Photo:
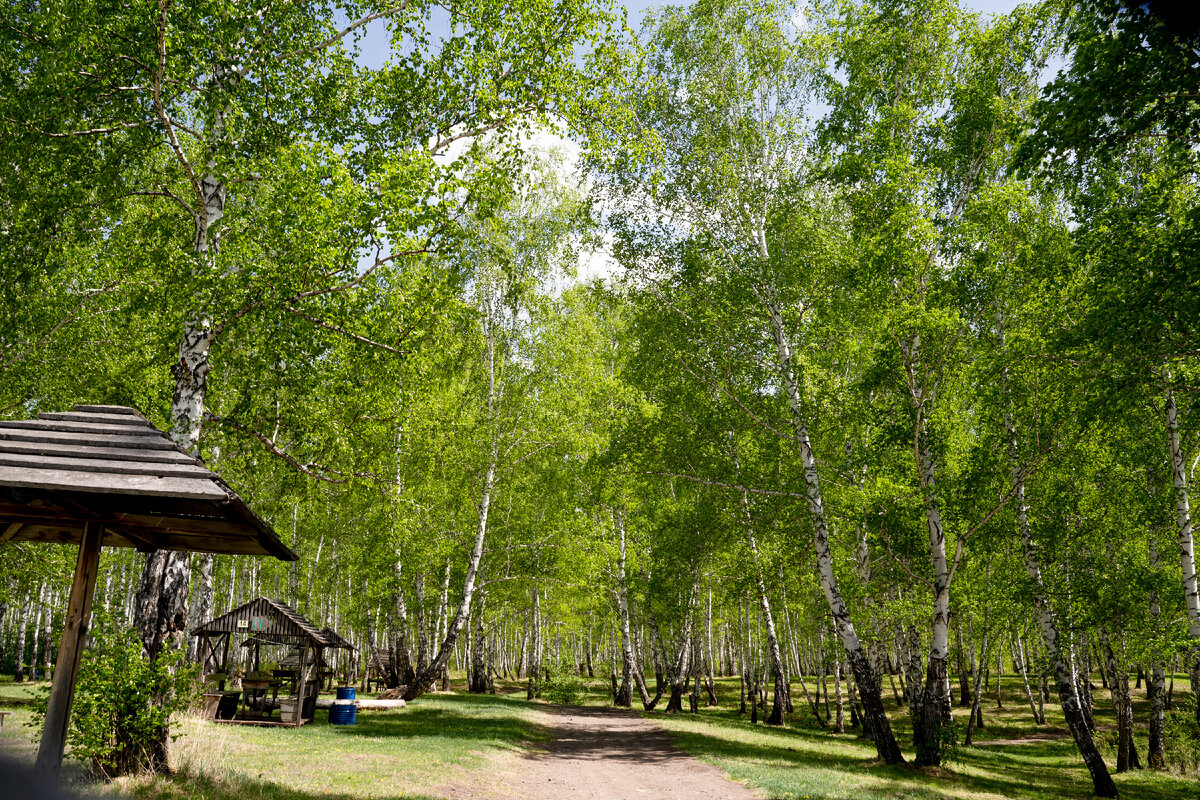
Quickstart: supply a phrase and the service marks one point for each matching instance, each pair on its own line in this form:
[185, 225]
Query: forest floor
[470, 747]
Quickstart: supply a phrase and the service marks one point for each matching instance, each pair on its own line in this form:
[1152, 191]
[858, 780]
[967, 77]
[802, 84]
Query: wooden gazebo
[266, 621]
[103, 475]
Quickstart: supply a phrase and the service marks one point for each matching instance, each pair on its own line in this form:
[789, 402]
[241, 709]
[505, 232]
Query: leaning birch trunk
[630, 670]
[976, 698]
[1020, 646]
[400, 670]
[874, 716]
[764, 602]
[1102, 782]
[1187, 553]
[423, 682]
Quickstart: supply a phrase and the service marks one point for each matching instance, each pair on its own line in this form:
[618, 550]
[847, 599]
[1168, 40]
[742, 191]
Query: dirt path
[601, 754]
[1037, 737]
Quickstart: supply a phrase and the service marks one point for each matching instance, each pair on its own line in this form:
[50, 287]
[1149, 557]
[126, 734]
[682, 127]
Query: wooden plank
[207, 544]
[17, 434]
[66, 669]
[68, 450]
[153, 468]
[81, 427]
[140, 540]
[91, 505]
[124, 410]
[218, 527]
[160, 536]
[10, 530]
[50, 534]
[93, 417]
[66, 480]
[143, 540]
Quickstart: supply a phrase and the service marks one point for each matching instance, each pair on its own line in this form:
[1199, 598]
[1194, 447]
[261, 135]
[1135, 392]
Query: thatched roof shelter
[103, 475]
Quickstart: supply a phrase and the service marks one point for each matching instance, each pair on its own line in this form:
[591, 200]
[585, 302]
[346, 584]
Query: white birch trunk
[631, 670]
[1068, 696]
[1187, 553]
[877, 721]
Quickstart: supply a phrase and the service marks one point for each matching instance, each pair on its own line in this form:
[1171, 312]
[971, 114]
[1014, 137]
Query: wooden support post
[79, 615]
[303, 690]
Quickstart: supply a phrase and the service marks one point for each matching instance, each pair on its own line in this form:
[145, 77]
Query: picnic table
[255, 702]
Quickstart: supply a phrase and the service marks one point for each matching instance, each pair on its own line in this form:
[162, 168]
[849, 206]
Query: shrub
[563, 684]
[123, 703]
[1181, 738]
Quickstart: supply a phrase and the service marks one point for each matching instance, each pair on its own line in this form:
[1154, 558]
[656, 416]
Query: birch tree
[714, 150]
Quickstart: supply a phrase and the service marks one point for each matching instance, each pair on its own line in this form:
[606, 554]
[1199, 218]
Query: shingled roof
[108, 463]
[270, 621]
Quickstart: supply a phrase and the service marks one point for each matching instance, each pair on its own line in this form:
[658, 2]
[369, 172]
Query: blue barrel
[345, 693]
[343, 712]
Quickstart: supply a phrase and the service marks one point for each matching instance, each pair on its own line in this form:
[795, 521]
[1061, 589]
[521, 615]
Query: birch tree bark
[1065, 681]
[1187, 551]
[1118, 680]
[534, 686]
[874, 715]
[1156, 686]
[423, 681]
[630, 669]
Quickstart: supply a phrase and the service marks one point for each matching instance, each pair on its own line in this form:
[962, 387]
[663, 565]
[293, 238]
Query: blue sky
[374, 44]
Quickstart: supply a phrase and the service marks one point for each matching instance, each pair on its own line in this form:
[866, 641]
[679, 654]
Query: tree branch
[345, 332]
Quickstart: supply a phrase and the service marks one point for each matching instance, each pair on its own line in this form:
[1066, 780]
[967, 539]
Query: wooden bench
[3, 714]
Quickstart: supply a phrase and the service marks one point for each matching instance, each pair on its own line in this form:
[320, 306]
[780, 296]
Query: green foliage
[1181, 737]
[122, 701]
[564, 686]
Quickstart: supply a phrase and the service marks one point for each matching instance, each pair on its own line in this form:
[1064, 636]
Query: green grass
[444, 739]
[20, 694]
[402, 753]
[806, 761]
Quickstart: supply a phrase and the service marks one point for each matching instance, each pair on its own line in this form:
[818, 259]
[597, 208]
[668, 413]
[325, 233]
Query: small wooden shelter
[379, 668]
[268, 622]
[103, 475]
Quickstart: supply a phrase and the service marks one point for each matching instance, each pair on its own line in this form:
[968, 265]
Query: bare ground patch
[600, 754]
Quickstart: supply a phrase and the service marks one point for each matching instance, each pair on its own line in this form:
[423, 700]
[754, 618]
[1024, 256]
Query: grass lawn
[806, 761]
[401, 753]
[441, 739]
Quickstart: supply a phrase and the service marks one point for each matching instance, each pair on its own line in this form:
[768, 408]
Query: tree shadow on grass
[207, 787]
[802, 749]
[482, 718]
[1042, 770]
